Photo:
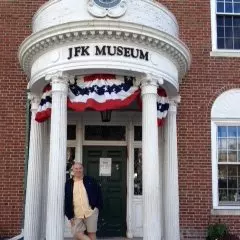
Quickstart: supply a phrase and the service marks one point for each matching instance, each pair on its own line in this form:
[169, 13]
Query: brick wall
[15, 25]
[207, 78]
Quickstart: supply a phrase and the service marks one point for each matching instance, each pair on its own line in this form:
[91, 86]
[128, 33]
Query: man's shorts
[83, 224]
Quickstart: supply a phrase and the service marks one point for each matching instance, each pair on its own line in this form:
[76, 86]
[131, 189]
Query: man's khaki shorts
[83, 224]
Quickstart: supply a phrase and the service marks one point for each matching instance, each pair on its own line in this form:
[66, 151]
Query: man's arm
[68, 205]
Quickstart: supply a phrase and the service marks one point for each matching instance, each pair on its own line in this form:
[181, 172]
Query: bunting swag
[101, 92]
[162, 106]
[44, 109]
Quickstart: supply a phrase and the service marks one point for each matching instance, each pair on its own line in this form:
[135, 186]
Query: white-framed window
[225, 18]
[225, 131]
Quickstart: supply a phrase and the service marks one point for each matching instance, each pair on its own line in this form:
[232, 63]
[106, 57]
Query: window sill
[233, 212]
[225, 53]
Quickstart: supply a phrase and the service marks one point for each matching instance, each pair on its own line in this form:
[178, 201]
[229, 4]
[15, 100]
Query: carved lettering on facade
[108, 50]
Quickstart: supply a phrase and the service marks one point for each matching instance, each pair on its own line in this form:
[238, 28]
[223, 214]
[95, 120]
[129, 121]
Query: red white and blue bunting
[101, 92]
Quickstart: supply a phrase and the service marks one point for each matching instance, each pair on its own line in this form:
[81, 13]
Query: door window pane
[137, 133]
[137, 171]
[71, 132]
[70, 160]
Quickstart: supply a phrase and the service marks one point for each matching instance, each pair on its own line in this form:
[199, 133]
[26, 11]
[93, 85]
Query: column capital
[150, 79]
[149, 84]
[173, 103]
[57, 76]
[59, 81]
[35, 101]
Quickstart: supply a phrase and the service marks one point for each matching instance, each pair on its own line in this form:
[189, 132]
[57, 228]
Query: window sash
[228, 187]
[227, 45]
[227, 7]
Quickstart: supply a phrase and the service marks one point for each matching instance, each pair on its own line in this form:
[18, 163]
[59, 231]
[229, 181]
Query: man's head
[77, 170]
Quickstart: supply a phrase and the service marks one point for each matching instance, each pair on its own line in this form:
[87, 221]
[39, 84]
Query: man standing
[83, 199]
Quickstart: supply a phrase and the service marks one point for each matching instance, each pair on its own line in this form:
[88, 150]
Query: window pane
[239, 184]
[220, 43]
[232, 195]
[105, 133]
[228, 32]
[137, 171]
[232, 171]
[222, 182]
[232, 143]
[223, 195]
[229, 43]
[137, 133]
[232, 131]
[222, 156]
[70, 160]
[222, 171]
[228, 20]
[220, 21]
[222, 143]
[220, 7]
[236, 32]
[232, 182]
[237, 7]
[220, 31]
[71, 132]
[232, 156]
[238, 156]
[236, 21]
[228, 7]
[222, 131]
[237, 43]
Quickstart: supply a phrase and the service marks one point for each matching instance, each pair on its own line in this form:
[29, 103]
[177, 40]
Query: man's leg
[78, 229]
[91, 224]
[92, 236]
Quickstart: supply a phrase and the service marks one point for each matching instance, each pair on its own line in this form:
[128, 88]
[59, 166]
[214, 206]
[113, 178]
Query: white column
[161, 157]
[57, 164]
[45, 166]
[151, 180]
[34, 178]
[170, 169]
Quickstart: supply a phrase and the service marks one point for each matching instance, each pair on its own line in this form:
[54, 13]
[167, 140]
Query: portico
[73, 40]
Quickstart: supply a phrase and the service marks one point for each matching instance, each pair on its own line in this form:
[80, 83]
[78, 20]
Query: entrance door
[112, 218]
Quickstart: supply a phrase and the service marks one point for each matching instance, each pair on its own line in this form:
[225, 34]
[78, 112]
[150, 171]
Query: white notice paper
[105, 167]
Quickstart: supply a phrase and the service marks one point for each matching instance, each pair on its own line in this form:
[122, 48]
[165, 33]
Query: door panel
[112, 219]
